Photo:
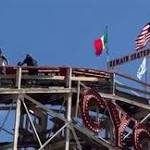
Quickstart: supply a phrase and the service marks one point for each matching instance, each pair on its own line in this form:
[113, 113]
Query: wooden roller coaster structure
[72, 109]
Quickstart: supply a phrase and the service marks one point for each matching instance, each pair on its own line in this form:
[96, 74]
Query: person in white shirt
[3, 62]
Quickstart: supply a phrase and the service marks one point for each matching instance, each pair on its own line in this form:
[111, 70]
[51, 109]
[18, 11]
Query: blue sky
[61, 32]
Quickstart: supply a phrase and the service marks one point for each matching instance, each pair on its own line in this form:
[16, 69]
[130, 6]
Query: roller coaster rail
[65, 107]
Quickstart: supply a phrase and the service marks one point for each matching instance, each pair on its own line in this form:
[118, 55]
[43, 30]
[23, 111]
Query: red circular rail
[91, 97]
[141, 132]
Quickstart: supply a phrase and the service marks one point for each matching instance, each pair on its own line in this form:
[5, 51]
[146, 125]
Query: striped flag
[143, 37]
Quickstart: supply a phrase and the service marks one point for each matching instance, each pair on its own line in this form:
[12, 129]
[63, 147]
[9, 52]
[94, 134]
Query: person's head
[28, 55]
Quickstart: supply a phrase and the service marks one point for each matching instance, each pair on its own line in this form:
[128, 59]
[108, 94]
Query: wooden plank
[131, 88]
[90, 74]
[118, 98]
[35, 90]
[80, 78]
[43, 77]
[132, 79]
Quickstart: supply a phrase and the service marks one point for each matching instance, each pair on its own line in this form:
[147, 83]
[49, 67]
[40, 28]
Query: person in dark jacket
[29, 61]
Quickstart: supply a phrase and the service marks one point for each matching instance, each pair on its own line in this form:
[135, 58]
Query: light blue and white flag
[142, 69]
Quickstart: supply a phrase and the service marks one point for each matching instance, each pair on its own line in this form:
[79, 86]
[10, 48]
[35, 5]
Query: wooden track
[49, 86]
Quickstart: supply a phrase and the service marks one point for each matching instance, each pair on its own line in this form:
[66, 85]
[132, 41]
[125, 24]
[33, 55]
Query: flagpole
[107, 49]
[146, 80]
[146, 76]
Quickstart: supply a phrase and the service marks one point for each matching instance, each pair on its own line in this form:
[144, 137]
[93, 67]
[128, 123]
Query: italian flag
[100, 44]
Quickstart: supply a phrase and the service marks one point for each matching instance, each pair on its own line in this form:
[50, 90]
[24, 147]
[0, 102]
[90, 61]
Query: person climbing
[29, 61]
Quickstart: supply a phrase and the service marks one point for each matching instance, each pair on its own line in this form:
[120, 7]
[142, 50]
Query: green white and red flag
[100, 44]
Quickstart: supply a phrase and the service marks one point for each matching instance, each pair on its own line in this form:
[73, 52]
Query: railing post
[18, 77]
[78, 99]
[68, 107]
[114, 84]
[17, 122]
[18, 110]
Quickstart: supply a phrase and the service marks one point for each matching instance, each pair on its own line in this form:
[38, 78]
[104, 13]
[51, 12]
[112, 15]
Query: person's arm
[19, 63]
[22, 63]
[5, 59]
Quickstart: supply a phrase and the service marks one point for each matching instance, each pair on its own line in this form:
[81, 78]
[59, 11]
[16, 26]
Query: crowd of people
[28, 61]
